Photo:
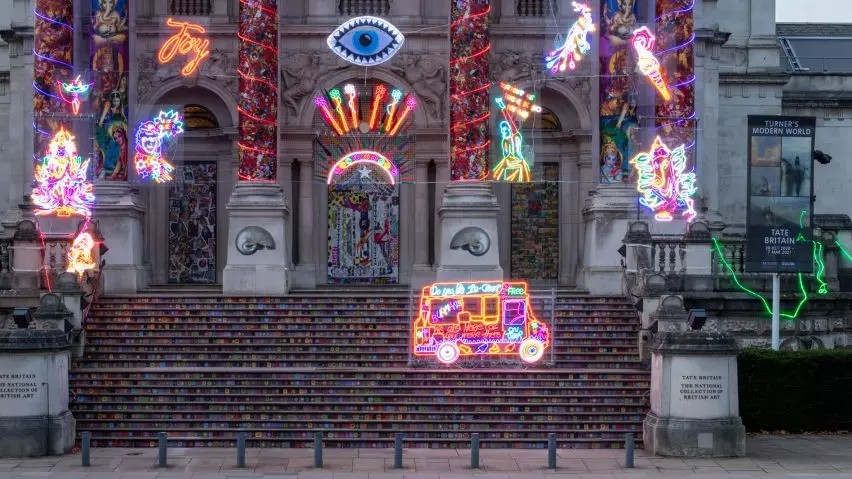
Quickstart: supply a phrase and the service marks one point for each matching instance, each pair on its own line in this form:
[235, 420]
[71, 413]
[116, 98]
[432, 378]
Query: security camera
[822, 157]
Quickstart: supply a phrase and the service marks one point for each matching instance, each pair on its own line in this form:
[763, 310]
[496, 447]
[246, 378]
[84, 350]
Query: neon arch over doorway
[359, 157]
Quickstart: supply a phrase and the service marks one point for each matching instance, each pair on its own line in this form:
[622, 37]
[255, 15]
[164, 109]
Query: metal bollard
[318, 449]
[241, 450]
[474, 451]
[397, 451]
[551, 451]
[162, 438]
[85, 444]
[628, 450]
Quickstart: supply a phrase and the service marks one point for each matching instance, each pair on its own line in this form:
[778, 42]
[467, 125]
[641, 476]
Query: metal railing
[536, 8]
[363, 7]
[192, 8]
[6, 255]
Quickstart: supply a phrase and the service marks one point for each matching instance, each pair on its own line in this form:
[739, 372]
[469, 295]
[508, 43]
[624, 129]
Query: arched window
[546, 121]
[197, 117]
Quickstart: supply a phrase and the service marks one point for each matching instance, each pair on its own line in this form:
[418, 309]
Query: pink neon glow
[643, 42]
[359, 157]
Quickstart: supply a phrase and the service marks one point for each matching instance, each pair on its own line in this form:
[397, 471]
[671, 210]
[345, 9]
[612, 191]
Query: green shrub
[796, 391]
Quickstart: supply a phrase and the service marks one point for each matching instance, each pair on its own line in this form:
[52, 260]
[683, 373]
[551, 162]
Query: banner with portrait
[779, 217]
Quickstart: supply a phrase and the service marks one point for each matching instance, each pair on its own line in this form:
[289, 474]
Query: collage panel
[765, 151]
[765, 181]
[779, 212]
[796, 166]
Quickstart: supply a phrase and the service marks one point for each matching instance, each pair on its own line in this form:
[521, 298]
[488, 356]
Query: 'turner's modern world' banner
[780, 191]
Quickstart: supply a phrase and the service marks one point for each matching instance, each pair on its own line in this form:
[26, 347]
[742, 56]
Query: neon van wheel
[531, 350]
[447, 353]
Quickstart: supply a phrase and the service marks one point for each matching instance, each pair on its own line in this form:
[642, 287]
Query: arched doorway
[535, 213]
[362, 153]
[193, 210]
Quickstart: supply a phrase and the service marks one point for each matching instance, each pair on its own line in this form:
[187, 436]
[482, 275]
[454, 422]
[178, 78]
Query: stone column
[322, 11]
[305, 271]
[34, 415]
[694, 397]
[422, 270]
[569, 215]
[285, 180]
[119, 211]
[405, 11]
[26, 256]
[698, 258]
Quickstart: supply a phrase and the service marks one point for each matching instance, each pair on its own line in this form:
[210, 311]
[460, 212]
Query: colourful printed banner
[109, 64]
[619, 98]
[675, 36]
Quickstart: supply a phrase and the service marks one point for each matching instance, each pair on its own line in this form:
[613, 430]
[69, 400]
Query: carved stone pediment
[220, 67]
[427, 75]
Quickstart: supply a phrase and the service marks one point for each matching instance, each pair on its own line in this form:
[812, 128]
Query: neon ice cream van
[491, 318]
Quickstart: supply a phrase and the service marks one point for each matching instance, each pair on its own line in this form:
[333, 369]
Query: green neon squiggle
[844, 251]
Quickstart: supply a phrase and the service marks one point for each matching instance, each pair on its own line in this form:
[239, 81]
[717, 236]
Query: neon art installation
[258, 85]
[360, 157]
[61, 185]
[492, 318]
[470, 107]
[363, 152]
[151, 136]
[109, 57]
[80, 257]
[576, 45]
[513, 102]
[184, 43]
[819, 273]
[664, 183]
[643, 43]
[366, 41]
[75, 89]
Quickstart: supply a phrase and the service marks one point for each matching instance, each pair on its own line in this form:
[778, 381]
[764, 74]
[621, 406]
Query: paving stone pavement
[768, 457]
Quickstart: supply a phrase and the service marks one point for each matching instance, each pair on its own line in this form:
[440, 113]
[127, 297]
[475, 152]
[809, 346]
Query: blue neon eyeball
[366, 41]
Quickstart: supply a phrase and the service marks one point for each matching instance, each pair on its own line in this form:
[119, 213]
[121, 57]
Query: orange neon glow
[338, 107]
[487, 318]
[184, 42]
[396, 96]
[410, 103]
[643, 42]
[350, 92]
[80, 258]
[378, 96]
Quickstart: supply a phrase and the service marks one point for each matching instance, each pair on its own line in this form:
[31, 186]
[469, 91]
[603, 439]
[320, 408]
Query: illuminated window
[197, 117]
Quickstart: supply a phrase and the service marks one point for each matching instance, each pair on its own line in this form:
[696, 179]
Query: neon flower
[663, 182]
[396, 110]
[149, 159]
[75, 90]
[643, 42]
[61, 184]
[576, 45]
[80, 257]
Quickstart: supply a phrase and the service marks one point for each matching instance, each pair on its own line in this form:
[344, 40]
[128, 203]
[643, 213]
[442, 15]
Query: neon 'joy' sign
[185, 43]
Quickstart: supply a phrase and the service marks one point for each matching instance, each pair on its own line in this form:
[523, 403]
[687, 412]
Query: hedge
[796, 391]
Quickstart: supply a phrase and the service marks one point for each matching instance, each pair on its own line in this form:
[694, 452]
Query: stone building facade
[562, 230]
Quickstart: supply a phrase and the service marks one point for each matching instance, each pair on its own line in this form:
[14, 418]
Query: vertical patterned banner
[109, 64]
[258, 104]
[53, 49]
[619, 98]
[469, 89]
[675, 37]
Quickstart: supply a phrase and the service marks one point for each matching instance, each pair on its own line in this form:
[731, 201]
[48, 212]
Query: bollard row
[475, 442]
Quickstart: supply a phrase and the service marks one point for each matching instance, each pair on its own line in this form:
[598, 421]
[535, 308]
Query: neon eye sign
[183, 42]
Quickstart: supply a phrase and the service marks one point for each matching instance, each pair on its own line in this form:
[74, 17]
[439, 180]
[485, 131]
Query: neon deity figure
[74, 89]
[80, 257]
[492, 318]
[643, 42]
[61, 185]
[359, 157]
[150, 161]
[513, 167]
[184, 42]
[663, 182]
[576, 45]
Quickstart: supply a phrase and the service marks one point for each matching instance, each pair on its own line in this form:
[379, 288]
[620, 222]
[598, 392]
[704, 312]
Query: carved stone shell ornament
[252, 239]
[471, 239]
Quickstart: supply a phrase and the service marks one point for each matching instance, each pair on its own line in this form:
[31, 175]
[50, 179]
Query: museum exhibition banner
[779, 215]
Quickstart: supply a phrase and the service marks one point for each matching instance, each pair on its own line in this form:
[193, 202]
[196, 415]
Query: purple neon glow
[411, 102]
[678, 47]
[51, 20]
[675, 12]
[52, 60]
[683, 83]
[321, 102]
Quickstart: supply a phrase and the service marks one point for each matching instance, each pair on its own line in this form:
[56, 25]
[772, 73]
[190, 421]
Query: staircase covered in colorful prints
[204, 369]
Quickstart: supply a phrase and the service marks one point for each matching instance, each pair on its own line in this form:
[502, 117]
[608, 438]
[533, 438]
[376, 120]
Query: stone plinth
[34, 415]
[607, 213]
[469, 236]
[257, 251]
[119, 214]
[694, 397]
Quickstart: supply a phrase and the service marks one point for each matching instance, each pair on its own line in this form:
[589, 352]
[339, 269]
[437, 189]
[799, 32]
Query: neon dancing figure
[74, 89]
[576, 45]
[513, 167]
[150, 161]
[663, 182]
[643, 42]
